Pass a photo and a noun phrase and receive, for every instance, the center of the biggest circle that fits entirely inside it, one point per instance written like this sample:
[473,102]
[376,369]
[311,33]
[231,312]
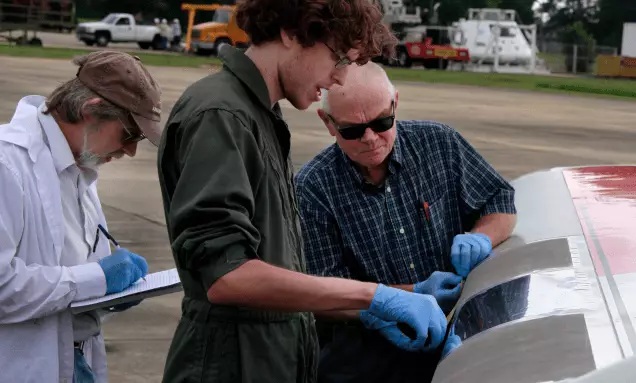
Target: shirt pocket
[436,231]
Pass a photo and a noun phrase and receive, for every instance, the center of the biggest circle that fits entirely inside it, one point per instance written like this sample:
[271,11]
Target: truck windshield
[109,19]
[221,16]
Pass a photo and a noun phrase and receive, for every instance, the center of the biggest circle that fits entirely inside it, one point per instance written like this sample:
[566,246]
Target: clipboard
[156,284]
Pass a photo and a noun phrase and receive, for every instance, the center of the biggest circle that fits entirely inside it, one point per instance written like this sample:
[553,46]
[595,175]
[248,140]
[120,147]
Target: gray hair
[324,99]
[70,102]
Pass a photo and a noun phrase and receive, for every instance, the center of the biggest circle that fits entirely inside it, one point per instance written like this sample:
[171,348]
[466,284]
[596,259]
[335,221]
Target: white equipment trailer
[628,47]
[497,43]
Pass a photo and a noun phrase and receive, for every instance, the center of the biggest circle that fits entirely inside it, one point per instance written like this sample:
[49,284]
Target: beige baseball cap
[121,79]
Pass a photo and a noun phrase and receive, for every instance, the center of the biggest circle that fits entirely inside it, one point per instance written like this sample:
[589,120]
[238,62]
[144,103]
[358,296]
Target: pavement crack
[162,224]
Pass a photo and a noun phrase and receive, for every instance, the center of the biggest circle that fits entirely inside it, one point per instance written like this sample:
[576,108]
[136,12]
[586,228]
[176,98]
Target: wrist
[483,235]
[90,281]
[368,293]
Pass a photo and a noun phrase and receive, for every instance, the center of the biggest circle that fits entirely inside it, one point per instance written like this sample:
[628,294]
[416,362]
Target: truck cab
[428,45]
[119,28]
[222,29]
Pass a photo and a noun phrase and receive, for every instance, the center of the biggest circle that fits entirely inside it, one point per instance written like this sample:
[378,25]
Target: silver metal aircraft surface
[557,300]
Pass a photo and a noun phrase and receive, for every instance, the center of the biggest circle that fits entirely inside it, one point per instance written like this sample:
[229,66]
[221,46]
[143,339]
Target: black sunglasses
[356,131]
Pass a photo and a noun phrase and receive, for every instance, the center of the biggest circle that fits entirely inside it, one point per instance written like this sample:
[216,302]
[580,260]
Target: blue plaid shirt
[353,229]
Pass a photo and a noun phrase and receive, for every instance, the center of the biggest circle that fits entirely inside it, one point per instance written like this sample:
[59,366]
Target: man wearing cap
[51,250]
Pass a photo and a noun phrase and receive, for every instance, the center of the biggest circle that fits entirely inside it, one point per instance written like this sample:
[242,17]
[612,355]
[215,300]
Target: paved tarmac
[518,132]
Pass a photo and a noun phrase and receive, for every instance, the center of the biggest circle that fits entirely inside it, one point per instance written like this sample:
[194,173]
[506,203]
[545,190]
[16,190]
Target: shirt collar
[246,71]
[395,162]
[60,150]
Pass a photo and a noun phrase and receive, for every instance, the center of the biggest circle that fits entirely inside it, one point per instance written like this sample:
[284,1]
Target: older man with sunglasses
[54,247]
[410,204]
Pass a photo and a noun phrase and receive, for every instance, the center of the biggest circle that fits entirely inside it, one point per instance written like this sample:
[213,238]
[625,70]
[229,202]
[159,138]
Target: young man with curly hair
[227,183]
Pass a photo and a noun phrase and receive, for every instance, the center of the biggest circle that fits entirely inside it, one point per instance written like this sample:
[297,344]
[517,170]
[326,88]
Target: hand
[420,312]
[372,322]
[122,269]
[452,342]
[444,286]
[468,250]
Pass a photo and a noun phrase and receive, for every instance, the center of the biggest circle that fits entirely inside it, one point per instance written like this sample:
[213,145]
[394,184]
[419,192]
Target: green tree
[450,11]
[612,14]
[523,8]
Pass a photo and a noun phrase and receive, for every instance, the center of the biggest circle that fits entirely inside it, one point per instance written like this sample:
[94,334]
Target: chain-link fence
[570,58]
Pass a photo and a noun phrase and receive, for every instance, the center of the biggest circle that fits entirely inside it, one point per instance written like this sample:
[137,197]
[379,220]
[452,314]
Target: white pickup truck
[119,28]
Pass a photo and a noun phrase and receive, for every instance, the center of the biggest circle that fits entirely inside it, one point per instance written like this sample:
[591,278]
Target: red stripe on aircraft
[605,201]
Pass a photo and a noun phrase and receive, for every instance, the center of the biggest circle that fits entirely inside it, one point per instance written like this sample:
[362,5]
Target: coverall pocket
[222,354]
[203,352]
[185,357]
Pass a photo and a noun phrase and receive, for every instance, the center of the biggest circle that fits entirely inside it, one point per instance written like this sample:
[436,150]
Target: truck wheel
[435,64]
[102,40]
[403,59]
[36,41]
[144,45]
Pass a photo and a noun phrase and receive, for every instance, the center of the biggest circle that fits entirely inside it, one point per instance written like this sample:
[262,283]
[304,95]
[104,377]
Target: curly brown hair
[344,24]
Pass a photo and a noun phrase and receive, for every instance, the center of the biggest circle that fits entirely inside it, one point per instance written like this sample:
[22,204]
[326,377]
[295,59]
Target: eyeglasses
[134,133]
[342,61]
[356,131]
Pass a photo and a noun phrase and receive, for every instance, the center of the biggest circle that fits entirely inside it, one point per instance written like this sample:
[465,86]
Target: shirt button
[412,266]
[388,189]
[401,230]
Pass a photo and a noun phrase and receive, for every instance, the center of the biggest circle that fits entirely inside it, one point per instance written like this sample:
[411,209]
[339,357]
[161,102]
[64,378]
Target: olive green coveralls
[226,179]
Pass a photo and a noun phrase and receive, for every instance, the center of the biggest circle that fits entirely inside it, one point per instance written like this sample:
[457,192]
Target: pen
[107,234]
[111,238]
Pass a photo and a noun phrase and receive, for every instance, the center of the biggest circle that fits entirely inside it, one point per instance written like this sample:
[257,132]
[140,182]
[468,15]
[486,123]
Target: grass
[581,85]
[155,59]
[576,85]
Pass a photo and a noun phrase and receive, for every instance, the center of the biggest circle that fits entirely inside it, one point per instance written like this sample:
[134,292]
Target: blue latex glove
[444,286]
[122,268]
[420,312]
[468,250]
[372,322]
[452,342]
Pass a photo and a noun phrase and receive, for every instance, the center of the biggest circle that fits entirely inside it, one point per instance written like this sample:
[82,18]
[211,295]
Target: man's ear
[287,39]
[396,98]
[325,120]
[85,115]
